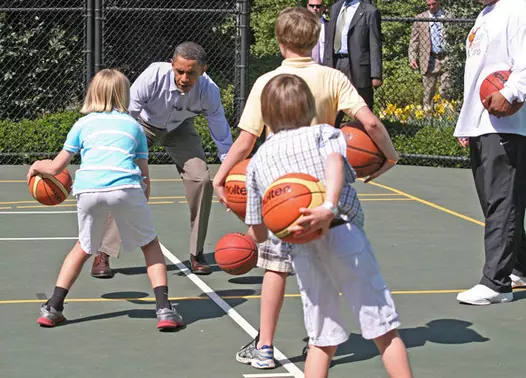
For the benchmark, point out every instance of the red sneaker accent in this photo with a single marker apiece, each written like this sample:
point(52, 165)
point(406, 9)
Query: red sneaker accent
point(169, 324)
point(45, 322)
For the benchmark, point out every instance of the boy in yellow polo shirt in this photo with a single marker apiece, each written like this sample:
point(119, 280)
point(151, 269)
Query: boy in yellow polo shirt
point(297, 31)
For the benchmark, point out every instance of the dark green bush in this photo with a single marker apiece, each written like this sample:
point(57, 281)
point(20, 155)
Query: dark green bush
point(41, 65)
point(27, 140)
point(427, 141)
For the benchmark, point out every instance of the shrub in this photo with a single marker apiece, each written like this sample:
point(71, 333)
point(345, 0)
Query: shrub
point(27, 140)
point(430, 143)
point(42, 65)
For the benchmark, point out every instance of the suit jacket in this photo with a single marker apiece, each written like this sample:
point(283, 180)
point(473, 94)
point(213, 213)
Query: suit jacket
point(420, 42)
point(364, 42)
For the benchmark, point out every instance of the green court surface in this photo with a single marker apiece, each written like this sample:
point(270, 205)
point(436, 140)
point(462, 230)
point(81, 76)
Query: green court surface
point(424, 223)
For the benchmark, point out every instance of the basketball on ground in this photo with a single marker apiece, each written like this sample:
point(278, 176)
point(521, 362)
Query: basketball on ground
point(51, 190)
point(495, 82)
point(236, 191)
point(362, 153)
point(236, 253)
point(283, 200)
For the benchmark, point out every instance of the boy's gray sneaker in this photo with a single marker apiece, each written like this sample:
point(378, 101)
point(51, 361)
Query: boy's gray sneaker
point(169, 319)
point(50, 317)
point(258, 358)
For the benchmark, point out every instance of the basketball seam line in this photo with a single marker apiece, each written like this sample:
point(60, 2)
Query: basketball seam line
point(366, 151)
point(59, 185)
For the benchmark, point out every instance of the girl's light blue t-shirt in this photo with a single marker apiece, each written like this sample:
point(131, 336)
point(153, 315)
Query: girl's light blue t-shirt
point(109, 144)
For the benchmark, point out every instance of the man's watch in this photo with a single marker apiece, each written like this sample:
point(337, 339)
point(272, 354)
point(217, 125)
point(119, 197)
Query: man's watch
point(329, 205)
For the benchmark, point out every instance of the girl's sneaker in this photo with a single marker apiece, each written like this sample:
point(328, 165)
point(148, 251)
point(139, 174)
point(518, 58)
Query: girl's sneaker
point(169, 319)
point(50, 317)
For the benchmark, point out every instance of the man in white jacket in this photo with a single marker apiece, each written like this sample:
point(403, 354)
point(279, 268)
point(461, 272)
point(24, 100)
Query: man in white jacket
point(497, 142)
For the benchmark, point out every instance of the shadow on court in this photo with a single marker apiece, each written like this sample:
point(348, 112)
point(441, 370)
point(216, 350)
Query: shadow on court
point(193, 310)
point(440, 331)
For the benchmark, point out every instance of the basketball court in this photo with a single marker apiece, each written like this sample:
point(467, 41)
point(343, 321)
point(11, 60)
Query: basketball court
point(424, 223)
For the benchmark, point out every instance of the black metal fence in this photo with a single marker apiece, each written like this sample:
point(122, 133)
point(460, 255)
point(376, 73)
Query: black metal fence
point(51, 49)
point(422, 91)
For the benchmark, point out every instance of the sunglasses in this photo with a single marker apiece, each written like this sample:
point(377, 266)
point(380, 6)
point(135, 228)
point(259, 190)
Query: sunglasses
point(316, 5)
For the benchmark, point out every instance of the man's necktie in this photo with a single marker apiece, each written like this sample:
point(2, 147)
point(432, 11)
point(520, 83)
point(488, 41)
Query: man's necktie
point(340, 24)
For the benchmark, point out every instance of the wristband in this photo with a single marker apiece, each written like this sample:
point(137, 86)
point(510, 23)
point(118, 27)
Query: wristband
point(329, 205)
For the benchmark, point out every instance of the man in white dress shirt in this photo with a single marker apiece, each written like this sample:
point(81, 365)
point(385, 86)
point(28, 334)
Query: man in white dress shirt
point(318, 8)
point(165, 99)
point(495, 131)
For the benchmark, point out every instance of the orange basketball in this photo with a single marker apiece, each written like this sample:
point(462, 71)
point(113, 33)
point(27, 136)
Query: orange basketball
point(236, 254)
point(51, 190)
point(236, 191)
point(362, 153)
point(282, 202)
point(495, 82)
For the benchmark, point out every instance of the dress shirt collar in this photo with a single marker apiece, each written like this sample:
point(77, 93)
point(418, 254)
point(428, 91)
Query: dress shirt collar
point(350, 3)
point(439, 13)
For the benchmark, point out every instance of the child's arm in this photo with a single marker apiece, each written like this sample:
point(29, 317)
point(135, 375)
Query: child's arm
point(320, 217)
point(258, 232)
point(51, 167)
point(145, 172)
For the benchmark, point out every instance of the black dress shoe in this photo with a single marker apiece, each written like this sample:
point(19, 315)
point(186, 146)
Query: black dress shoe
point(199, 265)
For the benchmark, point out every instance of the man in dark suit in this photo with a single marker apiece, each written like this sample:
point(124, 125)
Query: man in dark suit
point(353, 45)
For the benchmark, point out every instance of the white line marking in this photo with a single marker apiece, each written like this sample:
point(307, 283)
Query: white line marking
point(39, 212)
point(276, 375)
point(233, 314)
point(32, 239)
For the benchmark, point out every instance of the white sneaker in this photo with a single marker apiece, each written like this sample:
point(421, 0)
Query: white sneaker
point(481, 295)
point(517, 281)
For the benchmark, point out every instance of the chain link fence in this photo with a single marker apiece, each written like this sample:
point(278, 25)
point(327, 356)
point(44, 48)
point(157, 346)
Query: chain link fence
point(421, 96)
point(50, 50)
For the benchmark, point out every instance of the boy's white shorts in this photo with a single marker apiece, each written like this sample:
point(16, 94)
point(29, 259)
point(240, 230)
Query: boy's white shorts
point(342, 261)
point(132, 215)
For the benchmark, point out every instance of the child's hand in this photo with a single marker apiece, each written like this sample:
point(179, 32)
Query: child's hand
point(318, 218)
point(220, 194)
point(35, 168)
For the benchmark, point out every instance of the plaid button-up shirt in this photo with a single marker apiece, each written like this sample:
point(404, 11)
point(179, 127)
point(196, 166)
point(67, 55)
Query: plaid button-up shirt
point(303, 150)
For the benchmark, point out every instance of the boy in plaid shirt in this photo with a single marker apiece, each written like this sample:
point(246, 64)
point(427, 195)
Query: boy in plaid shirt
point(342, 260)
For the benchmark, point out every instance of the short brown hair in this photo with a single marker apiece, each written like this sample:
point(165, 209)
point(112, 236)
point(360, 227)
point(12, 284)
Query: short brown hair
point(287, 103)
point(108, 90)
point(297, 28)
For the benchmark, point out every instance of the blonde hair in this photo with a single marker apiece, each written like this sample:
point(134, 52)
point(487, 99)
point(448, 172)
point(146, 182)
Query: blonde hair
point(109, 90)
point(298, 29)
point(287, 103)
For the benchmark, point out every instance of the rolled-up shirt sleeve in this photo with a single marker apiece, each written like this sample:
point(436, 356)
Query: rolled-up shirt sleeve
point(515, 88)
point(141, 91)
point(217, 123)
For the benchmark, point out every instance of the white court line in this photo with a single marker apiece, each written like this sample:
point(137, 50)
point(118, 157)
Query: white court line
point(39, 212)
point(233, 314)
point(32, 239)
point(272, 375)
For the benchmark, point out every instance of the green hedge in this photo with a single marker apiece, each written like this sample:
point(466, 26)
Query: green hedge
point(426, 140)
point(25, 141)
